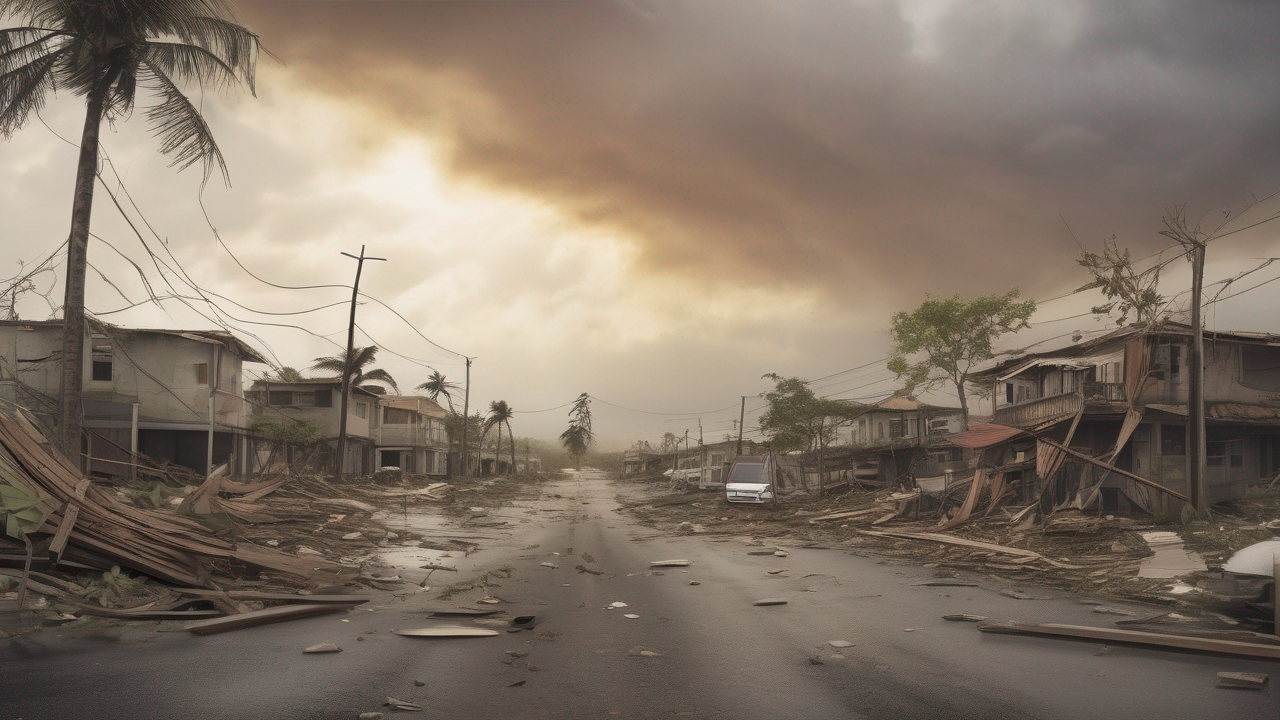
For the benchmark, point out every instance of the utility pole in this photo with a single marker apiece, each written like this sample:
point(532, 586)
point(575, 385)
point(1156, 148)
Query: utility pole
point(466, 420)
point(742, 418)
point(1196, 445)
point(346, 373)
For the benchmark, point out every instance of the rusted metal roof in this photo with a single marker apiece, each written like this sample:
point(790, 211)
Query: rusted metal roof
point(981, 436)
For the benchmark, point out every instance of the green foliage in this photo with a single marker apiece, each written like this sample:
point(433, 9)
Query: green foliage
point(289, 433)
point(797, 419)
point(114, 587)
point(1130, 291)
point(948, 336)
point(23, 507)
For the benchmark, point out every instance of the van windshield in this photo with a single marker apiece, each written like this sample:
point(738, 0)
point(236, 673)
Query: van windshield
point(747, 473)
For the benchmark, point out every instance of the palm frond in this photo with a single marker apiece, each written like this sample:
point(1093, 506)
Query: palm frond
point(190, 63)
point(182, 130)
point(380, 375)
point(19, 46)
point(236, 45)
point(25, 89)
point(362, 356)
point(330, 364)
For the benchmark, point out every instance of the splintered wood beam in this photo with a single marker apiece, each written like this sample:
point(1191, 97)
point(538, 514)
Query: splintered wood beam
point(59, 544)
point(262, 617)
point(1135, 637)
point(1124, 473)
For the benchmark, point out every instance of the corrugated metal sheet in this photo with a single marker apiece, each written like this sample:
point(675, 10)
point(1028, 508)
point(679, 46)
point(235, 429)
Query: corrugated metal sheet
point(983, 436)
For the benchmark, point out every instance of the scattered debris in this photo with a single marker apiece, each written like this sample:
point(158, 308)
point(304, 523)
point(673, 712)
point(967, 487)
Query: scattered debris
point(524, 622)
point(1134, 637)
point(760, 552)
point(839, 643)
point(775, 572)
point(438, 567)
point(962, 617)
point(585, 569)
point(255, 618)
point(1019, 595)
point(944, 582)
point(447, 631)
point(551, 565)
point(518, 683)
point(353, 536)
point(770, 601)
point(1252, 681)
point(670, 563)
point(1104, 610)
point(617, 605)
point(815, 660)
point(395, 704)
point(641, 651)
point(370, 716)
point(488, 600)
point(694, 582)
point(324, 647)
point(517, 653)
point(419, 683)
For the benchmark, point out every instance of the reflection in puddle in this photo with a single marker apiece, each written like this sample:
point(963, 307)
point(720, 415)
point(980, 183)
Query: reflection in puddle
point(1170, 560)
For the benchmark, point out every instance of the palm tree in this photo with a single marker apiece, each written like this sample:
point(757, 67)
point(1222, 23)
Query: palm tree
point(105, 50)
point(500, 414)
point(353, 370)
point(436, 386)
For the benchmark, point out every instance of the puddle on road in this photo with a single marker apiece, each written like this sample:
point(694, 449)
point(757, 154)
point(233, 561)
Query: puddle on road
point(1171, 559)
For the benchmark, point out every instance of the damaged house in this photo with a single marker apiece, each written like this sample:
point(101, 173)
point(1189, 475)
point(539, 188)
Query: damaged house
point(900, 439)
point(173, 395)
point(1121, 399)
point(411, 435)
point(319, 400)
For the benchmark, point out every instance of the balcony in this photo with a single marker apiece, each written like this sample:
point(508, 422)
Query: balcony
point(1034, 412)
point(409, 436)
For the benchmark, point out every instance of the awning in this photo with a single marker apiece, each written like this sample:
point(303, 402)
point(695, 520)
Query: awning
point(981, 436)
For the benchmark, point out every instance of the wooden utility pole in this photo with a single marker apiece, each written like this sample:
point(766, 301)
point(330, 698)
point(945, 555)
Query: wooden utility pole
point(1196, 445)
point(742, 418)
point(346, 373)
point(466, 419)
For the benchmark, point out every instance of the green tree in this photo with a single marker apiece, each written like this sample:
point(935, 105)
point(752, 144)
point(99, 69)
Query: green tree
point(436, 386)
point(1130, 291)
point(104, 50)
point(288, 436)
point(948, 336)
point(354, 371)
point(577, 438)
point(288, 375)
point(797, 419)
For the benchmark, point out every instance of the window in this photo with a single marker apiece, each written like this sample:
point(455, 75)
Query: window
point(1237, 461)
point(397, 416)
point(304, 399)
point(881, 430)
point(1008, 393)
point(898, 428)
point(938, 427)
point(362, 410)
point(1215, 453)
point(1173, 440)
point(101, 370)
point(202, 373)
point(1175, 363)
point(280, 397)
point(324, 398)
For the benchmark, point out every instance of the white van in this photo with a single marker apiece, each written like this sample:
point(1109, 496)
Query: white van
point(750, 480)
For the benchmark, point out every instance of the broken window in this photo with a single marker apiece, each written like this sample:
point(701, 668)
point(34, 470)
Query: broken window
point(280, 397)
point(1173, 440)
point(202, 373)
point(898, 428)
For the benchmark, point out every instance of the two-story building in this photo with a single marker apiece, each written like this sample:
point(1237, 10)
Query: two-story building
point(412, 435)
point(1129, 390)
point(901, 438)
point(319, 400)
point(160, 393)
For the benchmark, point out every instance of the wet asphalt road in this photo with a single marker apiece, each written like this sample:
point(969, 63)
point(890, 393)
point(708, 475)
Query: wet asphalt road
point(720, 656)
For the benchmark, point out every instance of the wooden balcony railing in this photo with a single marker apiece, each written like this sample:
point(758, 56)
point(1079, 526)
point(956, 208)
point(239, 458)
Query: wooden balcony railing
point(1032, 412)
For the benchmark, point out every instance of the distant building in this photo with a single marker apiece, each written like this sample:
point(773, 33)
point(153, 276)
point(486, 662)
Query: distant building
point(319, 400)
point(411, 435)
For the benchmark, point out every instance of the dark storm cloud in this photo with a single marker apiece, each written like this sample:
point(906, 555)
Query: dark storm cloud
point(823, 144)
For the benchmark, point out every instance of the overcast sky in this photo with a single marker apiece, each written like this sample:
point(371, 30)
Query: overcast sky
point(658, 202)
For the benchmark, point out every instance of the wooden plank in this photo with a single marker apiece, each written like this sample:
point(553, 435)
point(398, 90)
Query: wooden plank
point(284, 597)
point(1136, 637)
point(149, 614)
point(952, 540)
point(262, 617)
point(59, 544)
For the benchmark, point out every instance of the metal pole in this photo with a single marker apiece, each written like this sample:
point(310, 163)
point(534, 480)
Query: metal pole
point(211, 378)
point(742, 416)
point(1275, 585)
point(1196, 488)
point(133, 444)
point(466, 409)
point(346, 373)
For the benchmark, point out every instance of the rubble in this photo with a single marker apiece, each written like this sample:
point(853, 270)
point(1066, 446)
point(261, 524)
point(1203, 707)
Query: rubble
point(1253, 681)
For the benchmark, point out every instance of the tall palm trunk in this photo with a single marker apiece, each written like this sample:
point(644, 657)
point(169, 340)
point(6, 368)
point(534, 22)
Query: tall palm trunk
point(512, 436)
point(73, 329)
point(480, 452)
point(497, 453)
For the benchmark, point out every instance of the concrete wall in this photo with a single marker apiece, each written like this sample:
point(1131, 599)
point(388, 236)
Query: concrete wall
point(158, 371)
point(328, 418)
point(865, 430)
